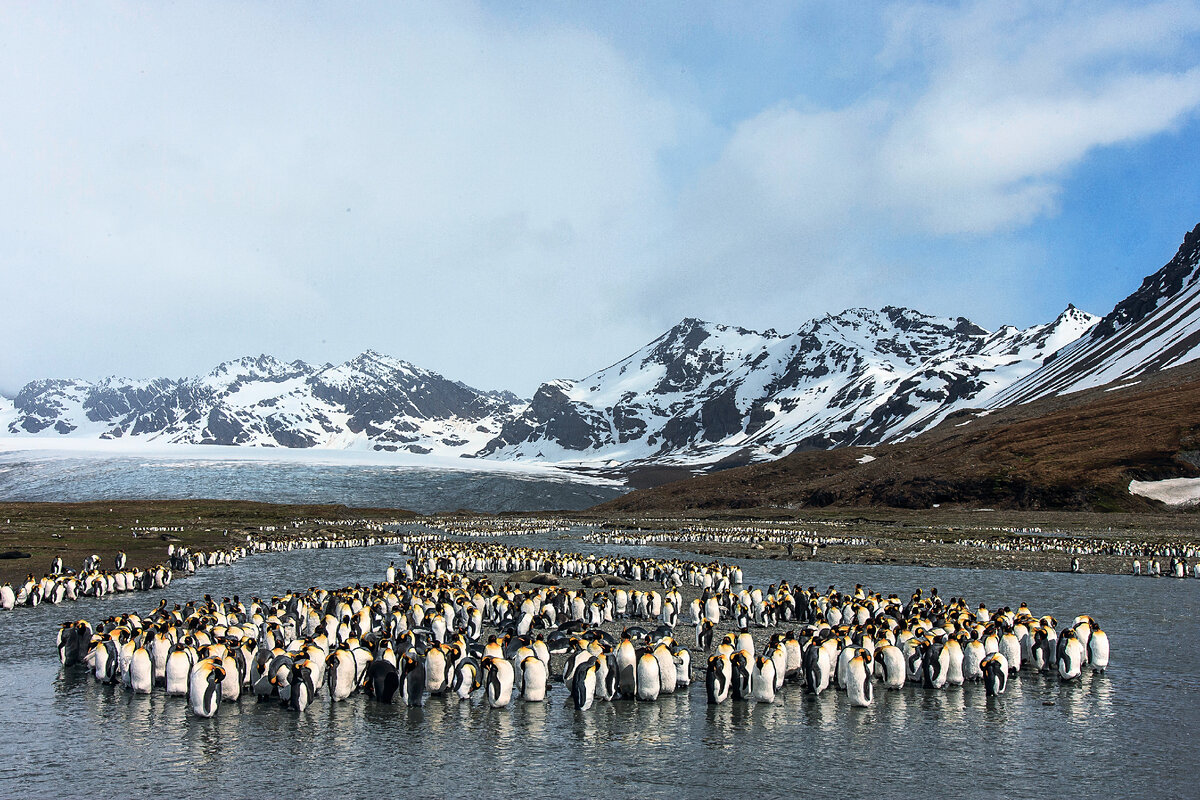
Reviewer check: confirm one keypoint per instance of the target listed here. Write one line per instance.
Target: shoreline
(144, 529)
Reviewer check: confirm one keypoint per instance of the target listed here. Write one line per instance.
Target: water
(77, 479)
(1131, 732)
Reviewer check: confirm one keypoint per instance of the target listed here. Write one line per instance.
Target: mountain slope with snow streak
(1155, 328)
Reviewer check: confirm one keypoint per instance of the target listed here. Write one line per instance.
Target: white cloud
(408, 180)
(984, 112)
(499, 200)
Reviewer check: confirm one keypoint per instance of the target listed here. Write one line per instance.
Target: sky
(509, 193)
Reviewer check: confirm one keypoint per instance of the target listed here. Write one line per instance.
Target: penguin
(704, 635)
(607, 686)
(1070, 656)
(140, 672)
(204, 690)
(103, 660)
(954, 654)
(816, 669)
(859, 687)
(466, 677)
(667, 677)
(683, 666)
(72, 643)
(762, 680)
(436, 670)
(534, 679)
(718, 679)
(1097, 649)
(573, 662)
(649, 679)
(740, 665)
(303, 689)
(583, 685)
(179, 667)
(995, 674)
(626, 657)
(889, 665)
(280, 675)
(339, 674)
(412, 680)
(497, 681)
(845, 655)
(973, 655)
(935, 664)
(383, 680)
(1010, 648)
(231, 685)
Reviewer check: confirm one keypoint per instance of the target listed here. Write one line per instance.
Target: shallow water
(1131, 732)
(77, 479)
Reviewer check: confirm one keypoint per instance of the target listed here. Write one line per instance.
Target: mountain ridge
(702, 395)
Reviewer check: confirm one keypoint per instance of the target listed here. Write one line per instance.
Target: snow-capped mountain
(1156, 327)
(700, 394)
(372, 401)
(703, 392)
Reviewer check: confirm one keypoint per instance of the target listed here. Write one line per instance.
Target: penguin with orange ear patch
(995, 674)
(204, 687)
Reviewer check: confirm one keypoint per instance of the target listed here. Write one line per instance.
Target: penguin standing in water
(817, 672)
(683, 666)
(649, 678)
(740, 666)
(935, 666)
(497, 681)
(718, 679)
(1070, 656)
(303, 688)
(583, 685)
(1097, 649)
(466, 677)
(889, 665)
(762, 680)
(1042, 655)
(954, 652)
(412, 680)
(534, 679)
(627, 668)
(1010, 647)
(104, 660)
(667, 677)
(973, 654)
(995, 674)
(73, 641)
(140, 672)
(383, 681)
(339, 674)
(204, 687)
(859, 687)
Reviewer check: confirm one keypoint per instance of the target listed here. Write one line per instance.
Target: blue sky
(509, 193)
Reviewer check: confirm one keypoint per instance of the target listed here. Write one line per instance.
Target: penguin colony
(61, 585)
(1184, 557)
(437, 626)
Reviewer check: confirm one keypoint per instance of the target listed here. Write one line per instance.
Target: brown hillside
(1076, 452)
